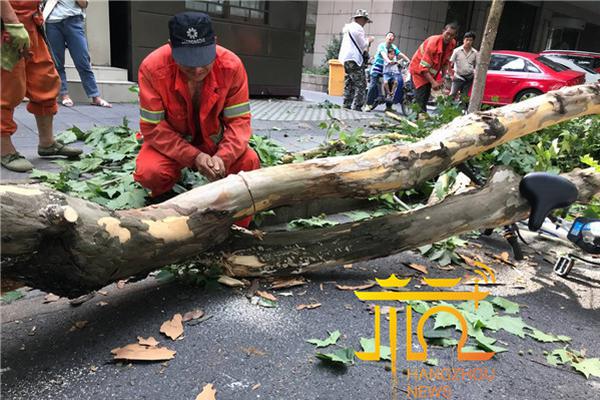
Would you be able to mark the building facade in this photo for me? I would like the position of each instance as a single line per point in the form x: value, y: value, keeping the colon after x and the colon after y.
x: 525, y: 25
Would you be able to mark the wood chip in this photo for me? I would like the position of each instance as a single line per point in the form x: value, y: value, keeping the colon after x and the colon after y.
x: 418, y: 267
x: 287, y: 282
x: 194, y: 314
x: 207, y: 393
x: 256, y: 386
x: 347, y: 266
x: 51, y: 298
x: 266, y: 295
x: 229, y: 281
x: 173, y: 328
x: 253, y: 351
x: 151, y: 342
x: 102, y: 292
x: 308, y: 306
x: 102, y: 303
x: 78, y: 325
x: 357, y: 287
x: 121, y: 284
x: 137, y: 352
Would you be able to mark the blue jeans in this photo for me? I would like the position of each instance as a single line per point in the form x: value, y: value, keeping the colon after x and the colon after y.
x: 70, y: 33
x: 373, y: 91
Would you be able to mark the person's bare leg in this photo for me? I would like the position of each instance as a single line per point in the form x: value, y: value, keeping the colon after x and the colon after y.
x: 44, y: 125
x: 6, y: 146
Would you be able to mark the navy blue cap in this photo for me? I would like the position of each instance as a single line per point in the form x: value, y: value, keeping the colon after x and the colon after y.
x: 192, y: 39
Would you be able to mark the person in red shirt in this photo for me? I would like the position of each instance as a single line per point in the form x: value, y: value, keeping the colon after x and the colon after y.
x: 194, y: 108
x: 431, y: 58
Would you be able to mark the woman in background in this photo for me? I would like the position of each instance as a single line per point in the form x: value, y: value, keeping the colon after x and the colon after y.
x: 65, y: 29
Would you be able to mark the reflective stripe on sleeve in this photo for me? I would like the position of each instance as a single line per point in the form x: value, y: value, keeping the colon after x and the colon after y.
x: 152, y: 117
x: 425, y: 64
x: 237, y: 110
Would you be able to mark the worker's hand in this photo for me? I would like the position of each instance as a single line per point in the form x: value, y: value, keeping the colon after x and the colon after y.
x: 370, y: 39
x: 18, y: 36
x: 436, y: 85
x: 218, y: 166
x: 204, y: 165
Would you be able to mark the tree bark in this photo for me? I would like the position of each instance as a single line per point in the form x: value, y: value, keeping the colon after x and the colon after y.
x: 70, y: 246
x: 498, y: 203
x: 485, y: 53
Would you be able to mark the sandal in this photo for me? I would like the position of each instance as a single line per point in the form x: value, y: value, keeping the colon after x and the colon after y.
x: 102, y: 103
x: 16, y: 162
x: 67, y: 102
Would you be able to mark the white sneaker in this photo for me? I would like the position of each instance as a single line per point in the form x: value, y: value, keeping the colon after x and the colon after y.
x: 367, y: 108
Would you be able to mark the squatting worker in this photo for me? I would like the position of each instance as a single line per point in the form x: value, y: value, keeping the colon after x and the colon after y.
x: 194, y: 109
x: 27, y: 70
x: 429, y: 60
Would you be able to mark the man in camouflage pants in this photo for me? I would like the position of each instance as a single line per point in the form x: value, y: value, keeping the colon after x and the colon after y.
x: 354, y: 44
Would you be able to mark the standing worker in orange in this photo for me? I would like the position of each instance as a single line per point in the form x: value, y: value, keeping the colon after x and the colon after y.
x: 194, y: 108
x: 27, y: 70
x: 431, y: 58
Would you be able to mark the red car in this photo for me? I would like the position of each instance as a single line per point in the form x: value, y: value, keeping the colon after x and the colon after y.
x: 584, y: 58
x: 515, y: 75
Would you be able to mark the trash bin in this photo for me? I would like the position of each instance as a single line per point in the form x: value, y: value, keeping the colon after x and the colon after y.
x: 336, y: 78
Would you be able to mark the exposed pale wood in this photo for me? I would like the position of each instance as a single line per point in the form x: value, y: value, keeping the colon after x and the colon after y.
x: 103, y: 246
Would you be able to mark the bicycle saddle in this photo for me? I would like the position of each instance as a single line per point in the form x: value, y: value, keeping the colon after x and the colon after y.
x: 546, y: 192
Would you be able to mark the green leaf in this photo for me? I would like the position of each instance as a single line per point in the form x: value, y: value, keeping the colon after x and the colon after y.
x: 368, y: 346
x: 589, y: 366
x: 419, y: 306
x: 443, y: 342
x: 514, y: 325
x: 484, y: 311
x: 164, y: 275
x: 67, y: 136
x: 342, y: 356
x: 267, y: 303
x: 544, y: 337
x: 438, y: 333
x: 332, y: 339
x: 314, y: 222
x: 508, y: 306
x: 357, y: 215
x: 432, y: 361
x: 11, y: 296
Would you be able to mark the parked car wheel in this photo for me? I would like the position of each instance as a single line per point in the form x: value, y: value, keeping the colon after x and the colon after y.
x: 526, y: 94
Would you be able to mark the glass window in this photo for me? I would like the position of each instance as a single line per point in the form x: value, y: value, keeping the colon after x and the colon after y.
x: 499, y: 60
x: 553, y: 65
x: 212, y: 7
x: 529, y: 67
x: 251, y: 11
x: 516, y: 65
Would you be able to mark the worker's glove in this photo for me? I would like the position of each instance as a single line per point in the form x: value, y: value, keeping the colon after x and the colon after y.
x: 10, y: 56
x: 19, y: 37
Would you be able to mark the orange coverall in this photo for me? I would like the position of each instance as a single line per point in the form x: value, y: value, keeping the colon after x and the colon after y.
x: 431, y: 56
x: 34, y: 76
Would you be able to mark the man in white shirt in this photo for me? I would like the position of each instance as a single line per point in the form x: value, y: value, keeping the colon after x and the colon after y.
x: 354, y: 45
x: 463, y: 62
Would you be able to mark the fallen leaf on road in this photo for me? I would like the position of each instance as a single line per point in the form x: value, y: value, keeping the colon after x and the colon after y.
x: 308, y: 306
x: 173, y: 328
x: 331, y: 339
x: 358, y: 287
x: 287, y: 282
x: 266, y: 295
x: 194, y: 314
x: 78, y: 325
x: 229, y: 281
x: 208, y: 393
x: 147, y: 342
x: 418, y: 267
x: 93, y: 368
x: 445, y: 267
x: 253, y: 351
x: 137, y: 352
x: 51, y: 298
x: 504, y: 256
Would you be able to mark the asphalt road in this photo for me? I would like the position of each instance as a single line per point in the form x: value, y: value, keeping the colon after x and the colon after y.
x: 243, y: 345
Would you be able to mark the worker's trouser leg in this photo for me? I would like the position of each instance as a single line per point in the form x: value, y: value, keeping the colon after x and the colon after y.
x: 34, y: 77
x: 159, y: 173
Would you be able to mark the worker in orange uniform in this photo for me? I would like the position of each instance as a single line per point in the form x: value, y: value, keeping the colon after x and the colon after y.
x: 431, y: 58
x: 194, y: 108
x: 27, y: 70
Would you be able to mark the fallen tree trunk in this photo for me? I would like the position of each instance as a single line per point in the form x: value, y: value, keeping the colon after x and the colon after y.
x: 70, y: 246
x: 498, y: 203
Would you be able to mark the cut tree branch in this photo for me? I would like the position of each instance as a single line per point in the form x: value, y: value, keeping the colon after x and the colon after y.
x: 51, y: 252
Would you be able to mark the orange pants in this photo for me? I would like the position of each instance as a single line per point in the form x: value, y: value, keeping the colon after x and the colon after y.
x: 159, y: 173
x: 34, y: 77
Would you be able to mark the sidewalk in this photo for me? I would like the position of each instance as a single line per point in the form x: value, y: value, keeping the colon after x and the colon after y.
x: 293, y: 124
